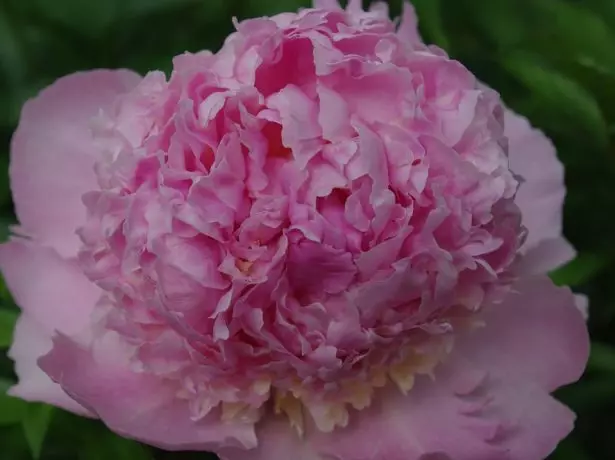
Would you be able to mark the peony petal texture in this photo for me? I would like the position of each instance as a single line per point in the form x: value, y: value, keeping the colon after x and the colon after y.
x: 134, y: 404
x: 310, y: 245
x: 540, y: 195
x: 53, y: 154
x: 54, y: 296
x: 489, y: 401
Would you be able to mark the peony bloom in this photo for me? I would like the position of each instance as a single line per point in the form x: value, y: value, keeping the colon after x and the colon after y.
x: 326, y: 241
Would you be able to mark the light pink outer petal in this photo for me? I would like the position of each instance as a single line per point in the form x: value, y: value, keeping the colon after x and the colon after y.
x: 52, y: 154
x: 489, y: 401
x: 53, y: 295
x: 135, y: 405
x: 582, y: 302
x: 276, y: 441
x: 408, y: 30
x: 541, y: 196
x: 327, y: 4
x: 31, y: 341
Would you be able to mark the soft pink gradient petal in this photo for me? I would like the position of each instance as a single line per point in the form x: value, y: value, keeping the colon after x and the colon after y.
x: 54, y: 296
x: 489, y: 401
x: 276, y: 441
x: 52, y: 290
x: 582, y: 302
x: 135, y: 405
x: 541, y: 196
x: 546, y: 256
x: 408, y: 27
x: 327, y: 4
x: 53, y: 153
x: 31, y: 341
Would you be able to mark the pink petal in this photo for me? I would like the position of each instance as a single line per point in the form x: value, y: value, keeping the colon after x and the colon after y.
x: 54, y: 295
x: 541, y: 196
x: 30, y: 343
x: 408, y: 28
x: 489, y: 401
x: 52, y: 154
x: 582, y: 302
x: 537, y: 334
x: 545, y: 256
x: 327, y: 4
x: 136, y: 405
x: 276, y: 441
x: 50, y: 289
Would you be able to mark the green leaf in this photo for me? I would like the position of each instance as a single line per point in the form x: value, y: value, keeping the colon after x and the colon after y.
x: 579, y: 271
x: 255, y: 8
x: 5, y: 231
x: 7, y: 324
x: 11, y: 409
x: 35, y: 422
x: 570, y: 449
x: 142, y: 7
x: 573, y: 30
x: 602, y: 358
x: 12, y: 63
x: 502, y: 22
x: 562, y: 102
x: 103, y: 445
x: 14, y: 446
x: 430, y: 21
x: 588, y: 393
x: 87, y: 18
x: 5, y: 189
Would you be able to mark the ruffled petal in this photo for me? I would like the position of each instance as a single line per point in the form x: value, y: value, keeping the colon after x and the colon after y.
x: 52, y: 154
x: 489, y: 401
x: 135, y: 405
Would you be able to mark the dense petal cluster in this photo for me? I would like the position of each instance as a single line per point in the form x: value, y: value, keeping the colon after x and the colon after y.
x: 314, y: 237
x: 317, y: 206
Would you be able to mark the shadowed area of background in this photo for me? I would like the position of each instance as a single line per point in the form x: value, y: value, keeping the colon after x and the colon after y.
x: 552, y: 60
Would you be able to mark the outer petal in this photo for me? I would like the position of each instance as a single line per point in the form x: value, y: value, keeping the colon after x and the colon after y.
x: 489, y: 401
x: 327, y: 4
x: 408, y: 27
x: 135, y: 405
x: 545, y: 256
x: 52, y: 154
x: 276, y: 441
x: 541, y: 196
x: 54, y: 295
x: 30, y: 343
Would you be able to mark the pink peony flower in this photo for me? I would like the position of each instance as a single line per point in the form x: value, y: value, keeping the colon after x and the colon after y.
x: 326, y: 241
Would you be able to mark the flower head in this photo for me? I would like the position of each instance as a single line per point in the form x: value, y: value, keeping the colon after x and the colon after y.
x: 311, y: 234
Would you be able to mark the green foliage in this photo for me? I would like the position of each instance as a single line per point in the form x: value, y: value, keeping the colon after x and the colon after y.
x: 7, y: 323
x: 431, y: 21
x: 35, y: 421
x: 581, y: 270
x: 551, y: 60
x: 560, y: 100
x: 13, y: 409
x: 100, y: 444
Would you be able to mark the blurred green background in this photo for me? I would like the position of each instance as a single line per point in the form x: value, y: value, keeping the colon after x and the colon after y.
x: 552, y: 60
